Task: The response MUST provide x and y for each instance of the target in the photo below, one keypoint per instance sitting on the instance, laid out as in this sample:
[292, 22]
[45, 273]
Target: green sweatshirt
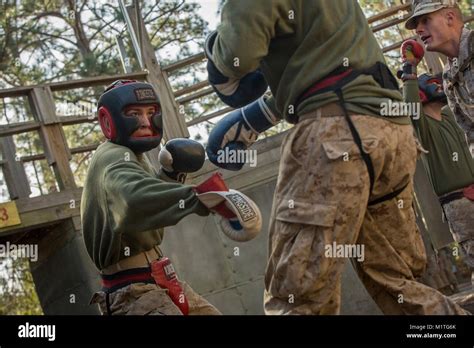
[125, 205]
[297, 43]
[449, 163]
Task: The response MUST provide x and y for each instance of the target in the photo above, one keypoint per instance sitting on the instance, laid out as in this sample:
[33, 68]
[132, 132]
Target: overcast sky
[208, 11]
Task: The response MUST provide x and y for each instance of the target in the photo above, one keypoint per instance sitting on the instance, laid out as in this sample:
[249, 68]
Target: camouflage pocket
[297, 245]
[348, 149]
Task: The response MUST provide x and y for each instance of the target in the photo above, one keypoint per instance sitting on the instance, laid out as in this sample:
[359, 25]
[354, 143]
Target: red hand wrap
[216, 183]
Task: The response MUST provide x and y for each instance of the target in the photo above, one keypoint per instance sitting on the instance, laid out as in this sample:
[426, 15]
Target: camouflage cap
[421, 7]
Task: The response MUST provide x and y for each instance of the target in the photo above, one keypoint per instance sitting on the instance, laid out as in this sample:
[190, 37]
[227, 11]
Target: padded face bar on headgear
[428, 85]
[116, 126]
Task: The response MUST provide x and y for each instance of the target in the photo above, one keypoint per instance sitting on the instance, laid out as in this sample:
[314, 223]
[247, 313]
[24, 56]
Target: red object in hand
[162, 271]
[411, 51]
[216, 183]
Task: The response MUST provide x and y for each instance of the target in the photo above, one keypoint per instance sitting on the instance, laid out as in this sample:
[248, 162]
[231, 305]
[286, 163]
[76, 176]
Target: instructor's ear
[449, 18]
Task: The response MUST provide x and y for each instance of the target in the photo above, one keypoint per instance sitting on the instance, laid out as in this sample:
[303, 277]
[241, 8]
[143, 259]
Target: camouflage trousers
[460, 216]
[321, 204]
[150, 299]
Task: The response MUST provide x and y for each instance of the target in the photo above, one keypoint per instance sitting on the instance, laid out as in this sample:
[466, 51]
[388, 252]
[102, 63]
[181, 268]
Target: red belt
[329, 81]
[467, 192]
[113, 282]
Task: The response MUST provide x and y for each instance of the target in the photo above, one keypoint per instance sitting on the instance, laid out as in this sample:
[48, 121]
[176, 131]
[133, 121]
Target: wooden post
[173, 121]
[52, 136]
[435, 62]
[439, 232]
[13, 170]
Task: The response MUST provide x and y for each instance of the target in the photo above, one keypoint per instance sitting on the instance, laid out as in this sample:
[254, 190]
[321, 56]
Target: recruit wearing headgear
[117, 126]
[431, 88]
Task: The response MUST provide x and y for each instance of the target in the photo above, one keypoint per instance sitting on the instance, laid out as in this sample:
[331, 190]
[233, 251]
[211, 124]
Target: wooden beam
[197, 58]
[209, 116]
[85, 148]
[435, 62]
[30, 158]
[42, 101]
[197, 95]
[45, 210]
[20, 127]
[431, 209]
[53, 137]
[71, 84]
[389, 12]
[191, 88]
[75, 150]
[70, 120]
[96, 81]
[15, 91]
[13, 170]
[389, 23]
[58, 154]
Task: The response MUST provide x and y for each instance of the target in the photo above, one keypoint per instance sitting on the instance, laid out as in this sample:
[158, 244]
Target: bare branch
[56, 14]
[57, 37]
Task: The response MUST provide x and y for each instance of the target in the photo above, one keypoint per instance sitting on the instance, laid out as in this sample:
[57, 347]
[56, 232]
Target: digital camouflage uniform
[322, 191]
[458, 80]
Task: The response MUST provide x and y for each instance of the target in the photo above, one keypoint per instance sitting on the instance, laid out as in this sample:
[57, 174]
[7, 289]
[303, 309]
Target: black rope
[357, 139]
[107, 303]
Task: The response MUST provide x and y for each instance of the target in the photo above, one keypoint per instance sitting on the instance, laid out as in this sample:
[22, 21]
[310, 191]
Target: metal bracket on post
[123, 55]
[133, 36]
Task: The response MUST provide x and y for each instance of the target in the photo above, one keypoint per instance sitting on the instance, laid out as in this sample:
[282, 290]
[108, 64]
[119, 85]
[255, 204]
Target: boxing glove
[233, 92]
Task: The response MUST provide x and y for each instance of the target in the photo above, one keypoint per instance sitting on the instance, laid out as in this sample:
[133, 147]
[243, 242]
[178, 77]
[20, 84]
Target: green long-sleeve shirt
[296, 43]
[125, 205]
[449, 163]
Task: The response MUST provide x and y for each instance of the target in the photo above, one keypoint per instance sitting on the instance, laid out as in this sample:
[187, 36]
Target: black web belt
[385, 79]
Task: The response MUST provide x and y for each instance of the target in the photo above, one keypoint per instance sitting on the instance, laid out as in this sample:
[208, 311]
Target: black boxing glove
[180, 156]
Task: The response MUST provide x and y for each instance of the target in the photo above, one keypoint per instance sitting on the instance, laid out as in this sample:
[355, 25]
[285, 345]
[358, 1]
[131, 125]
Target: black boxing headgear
[431, 88]
[117, 127]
